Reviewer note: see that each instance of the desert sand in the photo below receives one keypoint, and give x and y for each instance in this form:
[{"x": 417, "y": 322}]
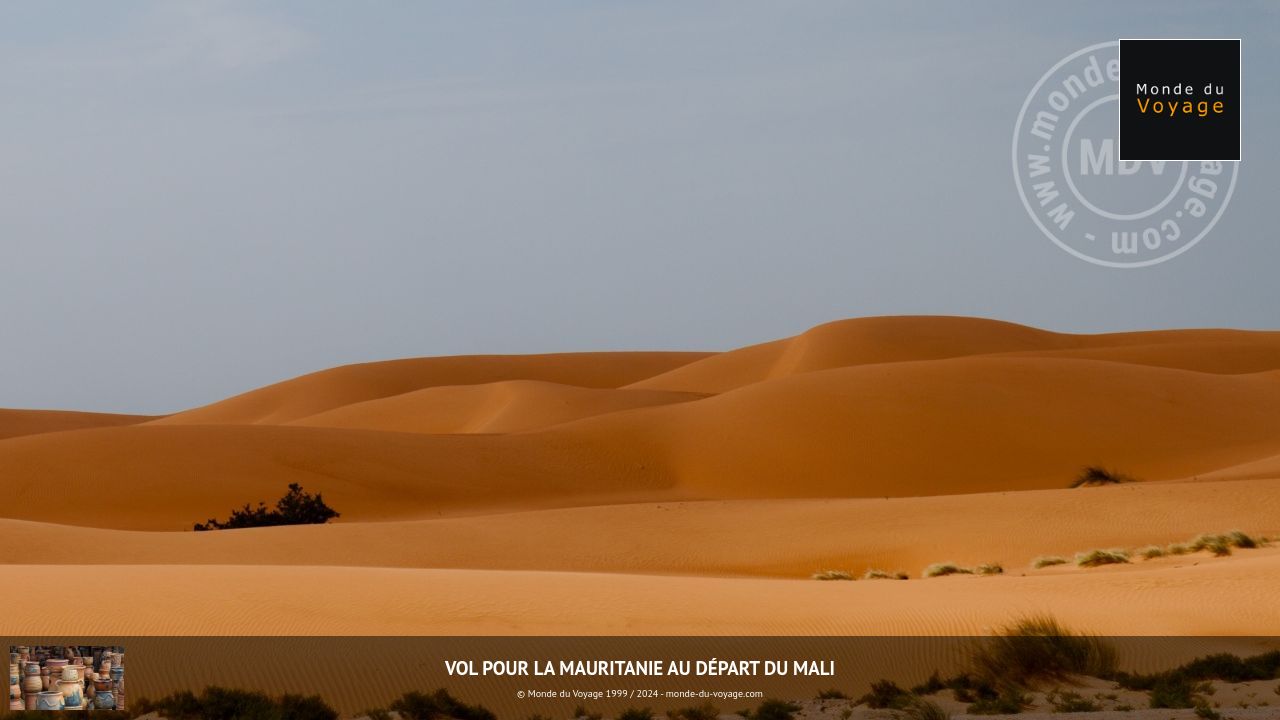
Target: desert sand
[{"x": 677, "y": 493}]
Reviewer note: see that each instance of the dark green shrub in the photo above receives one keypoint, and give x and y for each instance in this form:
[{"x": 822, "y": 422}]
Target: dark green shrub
[
  {"x": 1096, "y": 475},
  {"x": 1039, "y": 648},
  {"x": 295, "y": 508},
  {"x": 933, "y": 685},
  {"x": 886, "y": 694},
  {"x": 1009, "y": 702}
]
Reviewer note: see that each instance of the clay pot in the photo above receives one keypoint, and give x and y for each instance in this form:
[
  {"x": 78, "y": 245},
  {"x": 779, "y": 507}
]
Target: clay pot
[
  {"x": 32, "y": 684},
  {"x": 33, "y": 668},
  {"x": 49, "y": 700},
  {"x": 106, "y": 700},
  {"x": 102, "y": 684},
  {"x": 71, "y": 673},
  {"x": 31, "y": 700},
  {"x": 72, "y": 693},
  {"x": 57, "y": 663},
  {"x": 117, "y": 673},
  {"x": 16, "y": 704}
]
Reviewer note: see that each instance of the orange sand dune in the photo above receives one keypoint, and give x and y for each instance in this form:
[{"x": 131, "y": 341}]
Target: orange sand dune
[
  {"x": 502, "y": 407},
  {"x": 16, "y": 423},
  {"x": 722, "y": 538},
  {"x": 295, "y": 600},
  {"x": 328, "y": 389},
  {"x": 864, "y": 341},
  {"x": 943, "y": 427}
]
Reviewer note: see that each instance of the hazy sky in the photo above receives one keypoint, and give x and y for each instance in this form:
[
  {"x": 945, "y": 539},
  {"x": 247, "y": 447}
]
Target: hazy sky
[{"x": 203, "y": 197}]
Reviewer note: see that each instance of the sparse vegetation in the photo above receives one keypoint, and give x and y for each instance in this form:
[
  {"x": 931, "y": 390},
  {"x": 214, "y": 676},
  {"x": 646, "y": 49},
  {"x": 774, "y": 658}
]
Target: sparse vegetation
[
  {"x": 216, "y": 703},
  {"x": 875, "y": 574},
  {"x": 990, "y": 569},
  {"x": 926, "y": 710},
  {"x": 1095, "y": 475},
  {"x": 295, "y": 508},
  {"x": 832, "y": 694},
  {"x": 1045, "y": 561},
  {"x": 946, "y": 568},
  {"x": 775, "y": 710},
  {"x": 832, "y": 575},
  {"x": 886, "y": 694},
  {"x": 581, "y": 712},
  {"x": 1096, "y": 558},
  {"x": 1064, "y": 701},
  {"x": 1151, "y": 552},
  {"x": 438, "y": 706},
  {"x": 1009, "y": 702},
  {"x": 1039, "y": 648},
  {"x": 636, "y": 714},
  {"x": 706, "y": 711}
]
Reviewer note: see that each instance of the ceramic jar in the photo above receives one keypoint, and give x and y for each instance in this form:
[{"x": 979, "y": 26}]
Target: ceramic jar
[
  {"x": 49, "y": 700},
  {"x": 106, "y": 700},
  {"x": 117, "y": 673},
  {"x": 32, "y": 684},
  {"x": 72, "y": 693}
]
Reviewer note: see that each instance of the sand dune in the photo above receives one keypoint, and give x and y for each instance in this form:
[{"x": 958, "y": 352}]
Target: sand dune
[
  {"x": 17, "y": 423},
  {"x": 865, "y": 341},
  {"x": 328, "y": 389},
  {"x": 502, "y": 407},
  {"x": 943, "y": 427},
  {"x": 650, "y": 493},
  {"x": 716, "y": 538},
  {"x": 267, "y": 600}
]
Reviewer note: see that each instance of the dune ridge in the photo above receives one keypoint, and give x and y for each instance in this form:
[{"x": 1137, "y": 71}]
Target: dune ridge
[{"x": 671, "y": 493}]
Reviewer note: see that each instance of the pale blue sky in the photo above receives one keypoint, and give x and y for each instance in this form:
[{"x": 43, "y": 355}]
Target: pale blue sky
[{"x": 203, "y": 197}]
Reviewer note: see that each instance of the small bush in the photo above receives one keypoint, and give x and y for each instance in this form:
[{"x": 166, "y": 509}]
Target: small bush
[
  {"x": 1039, "y": 648},
  {"x": 775, "y": 710},
  {"x": 990, "y": 569},
  {"x": 1009, "y": 702},
  {"x": 946, "y": 568},
  {"x": 1173, "y": 691},
  {"x": 832, "y": 575},
  {"x": 295, "y": 508},
  {"x": 1219, "y": 545},
  {"x": 934, "y": 684},
  {"x": 636, "y": 714},
  {"x": 1178, "y": 549},
  {"x": 1045, "y": 561},
  {"x": 1096, "y": 558},
  {"x": 1151, "y": 552},
  {"x": 874, "y": 574},
  {"x": 832, "y": 694},
  {"x": 1095, "y": 475},
  {"x": 886, "y": 694}
]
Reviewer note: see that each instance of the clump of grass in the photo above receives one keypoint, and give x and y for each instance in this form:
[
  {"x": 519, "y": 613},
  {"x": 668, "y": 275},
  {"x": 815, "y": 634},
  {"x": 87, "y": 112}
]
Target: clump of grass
[
  {"x": 1240, "y": 539},
  {"x": 1178, "y": 549},
  {"x": 1151, "y": 552},
  {"x": 946, "y": 568},
  {"x": 1096, "y": 558},
  {"x": 1065, "y": 701},
  {"x": 1045, "y": 561},
  {"x": 832, "y": 575},
  {"x": 1009, "y": 702},
  {"x": 990, "y": 569},
  {"x": 775, "y": 710},
  {"x": 886, "y": 694},
  {"x": 1095, "y": 475},
  {"x": 832, "y": 694},
  {"x": 1039, "y": 648},
  {"x": 1219, "y": 545},
  {"x": 875, "y": 574},
  {"x": 926, "y": 710}
]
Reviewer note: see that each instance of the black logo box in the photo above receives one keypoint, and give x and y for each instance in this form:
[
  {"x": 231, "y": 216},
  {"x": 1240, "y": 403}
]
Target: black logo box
[{"x": 1186, "y": 66}]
